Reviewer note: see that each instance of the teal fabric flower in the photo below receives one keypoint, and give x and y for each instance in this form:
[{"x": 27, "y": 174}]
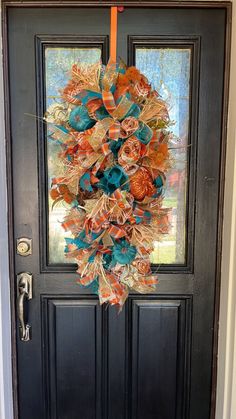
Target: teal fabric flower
[
  {"x": 80, "y": 120},
  {"x": 144, "y": 133},
  {"x": 123, "y": 252},
  {"x": 112, "y": 179}
]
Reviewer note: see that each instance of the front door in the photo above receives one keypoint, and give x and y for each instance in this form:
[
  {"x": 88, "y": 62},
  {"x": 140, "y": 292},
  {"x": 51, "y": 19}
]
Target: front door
[{"x": 154, "y": 359}]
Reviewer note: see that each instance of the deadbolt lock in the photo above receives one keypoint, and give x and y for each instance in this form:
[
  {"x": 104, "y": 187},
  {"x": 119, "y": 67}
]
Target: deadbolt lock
[{"x": 24, "y": 246}]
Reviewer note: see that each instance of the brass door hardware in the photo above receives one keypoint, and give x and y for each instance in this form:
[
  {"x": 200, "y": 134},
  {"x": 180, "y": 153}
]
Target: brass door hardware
[{"x": 24, "y": 246}]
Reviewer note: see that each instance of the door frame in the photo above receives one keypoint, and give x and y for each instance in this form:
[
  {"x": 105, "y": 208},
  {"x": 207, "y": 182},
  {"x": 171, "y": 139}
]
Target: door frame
[{"x": 6, "y": 4}]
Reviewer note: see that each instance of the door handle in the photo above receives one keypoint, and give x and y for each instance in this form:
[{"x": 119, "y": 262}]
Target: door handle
[{"x": 24, "y": 283}]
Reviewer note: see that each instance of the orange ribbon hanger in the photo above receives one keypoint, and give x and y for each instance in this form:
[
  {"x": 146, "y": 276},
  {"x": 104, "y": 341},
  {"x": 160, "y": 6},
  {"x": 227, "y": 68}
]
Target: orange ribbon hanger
[{"x": 113, "y": 34}]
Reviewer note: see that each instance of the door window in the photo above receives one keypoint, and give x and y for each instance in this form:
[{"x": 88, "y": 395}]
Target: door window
[
  {"x": 58, "y": 63},
  {"x": 168, "y": 69}
]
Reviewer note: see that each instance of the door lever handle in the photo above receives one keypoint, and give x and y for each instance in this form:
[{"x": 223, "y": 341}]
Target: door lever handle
[{"x": 24, "y": 284}]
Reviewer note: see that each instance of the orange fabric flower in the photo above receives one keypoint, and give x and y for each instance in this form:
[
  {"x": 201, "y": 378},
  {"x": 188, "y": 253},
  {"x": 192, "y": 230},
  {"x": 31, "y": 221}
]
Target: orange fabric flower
[
  {"x": 122, "y": 80},
  {"x": 143, "y": 266},
  {"x": 157, "y": 155},
  {"x": 129, "y": 126},
  {"x": 129, "y": 152},
  {"x": 141, "y": 184},
  {"x": 122, "y": 86},
  {"x": 133, "y": 74}
]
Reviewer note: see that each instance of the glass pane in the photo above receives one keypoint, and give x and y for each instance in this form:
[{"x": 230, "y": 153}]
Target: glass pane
[
  {"x": 168, "y": 69},
  {"x": 58, "y": 62}
]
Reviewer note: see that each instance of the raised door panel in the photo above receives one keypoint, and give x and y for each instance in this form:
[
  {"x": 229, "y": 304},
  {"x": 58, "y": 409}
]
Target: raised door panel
[
  {"x": 72, "y": 357},
  {"x": 160, "y": 358}
]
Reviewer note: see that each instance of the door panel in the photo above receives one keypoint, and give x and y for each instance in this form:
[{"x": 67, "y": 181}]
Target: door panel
[
  {"x": 73, "y": 357},
  {"x": 160, "y": 332},
  {"x": 154, "y": 359}
]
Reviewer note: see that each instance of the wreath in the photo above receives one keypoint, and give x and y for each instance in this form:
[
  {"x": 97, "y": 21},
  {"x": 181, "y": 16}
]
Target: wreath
[{"x": 113, "y": 131}]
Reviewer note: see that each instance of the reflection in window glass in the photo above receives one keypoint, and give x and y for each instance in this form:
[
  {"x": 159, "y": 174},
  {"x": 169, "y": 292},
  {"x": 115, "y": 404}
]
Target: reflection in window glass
[
  {"x": 58, "y": 62},
  {"x": 168, "y": 70}
]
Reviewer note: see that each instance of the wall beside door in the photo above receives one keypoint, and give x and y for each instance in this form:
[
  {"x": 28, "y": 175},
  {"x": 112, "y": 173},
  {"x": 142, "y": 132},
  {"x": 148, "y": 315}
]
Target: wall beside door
[{"x": 226, "y": 392}]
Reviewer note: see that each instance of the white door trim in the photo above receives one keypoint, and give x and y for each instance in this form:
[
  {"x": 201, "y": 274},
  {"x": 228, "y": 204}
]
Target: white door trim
[
  {"x": 6, "y": 399},
  {"x": 226, "y": 386}
]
